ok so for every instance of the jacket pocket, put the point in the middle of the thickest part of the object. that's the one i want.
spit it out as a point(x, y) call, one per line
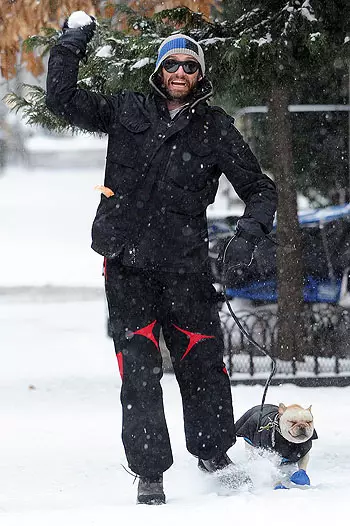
point(203, 166)
point(123, 171)
point(190, 171)
point(200, 146)
point(186, 201)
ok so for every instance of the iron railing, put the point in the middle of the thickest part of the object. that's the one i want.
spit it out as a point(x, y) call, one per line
point(326, 350)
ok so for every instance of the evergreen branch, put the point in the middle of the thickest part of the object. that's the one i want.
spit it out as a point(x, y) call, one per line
point(44, 42)
point(33, 108)
point(15, 102)
point(180, 16)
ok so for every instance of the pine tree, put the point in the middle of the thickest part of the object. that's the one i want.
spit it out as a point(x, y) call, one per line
point(304, 40)
point(272, 47)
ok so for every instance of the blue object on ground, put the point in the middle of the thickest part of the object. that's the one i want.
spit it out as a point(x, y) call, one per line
point(280, 486)
point(300, 477)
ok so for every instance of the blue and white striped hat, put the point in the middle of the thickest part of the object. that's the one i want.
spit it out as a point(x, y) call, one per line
point(180, 44)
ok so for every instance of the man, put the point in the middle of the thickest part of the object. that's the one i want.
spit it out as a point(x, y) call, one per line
point(166, 152)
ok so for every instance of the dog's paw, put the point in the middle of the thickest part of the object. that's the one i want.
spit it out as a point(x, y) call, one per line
point(300, 477)
point(280, 486)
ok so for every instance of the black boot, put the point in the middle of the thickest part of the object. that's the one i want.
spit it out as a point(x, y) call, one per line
point(228, 474)
point(150, 490)
point(215, 464)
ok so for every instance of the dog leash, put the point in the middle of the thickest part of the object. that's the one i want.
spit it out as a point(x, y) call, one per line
point(260, 348)
point(249, 338)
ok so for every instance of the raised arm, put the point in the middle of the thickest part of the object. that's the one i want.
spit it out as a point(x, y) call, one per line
point(82, 108)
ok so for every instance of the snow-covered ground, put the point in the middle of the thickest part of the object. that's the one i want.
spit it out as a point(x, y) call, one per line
point(45, 222)
point(61, 455)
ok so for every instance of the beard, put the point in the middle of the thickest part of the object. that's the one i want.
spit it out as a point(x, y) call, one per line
point(179, 95)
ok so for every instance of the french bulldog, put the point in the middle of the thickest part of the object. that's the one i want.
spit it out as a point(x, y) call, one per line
point(286, 430)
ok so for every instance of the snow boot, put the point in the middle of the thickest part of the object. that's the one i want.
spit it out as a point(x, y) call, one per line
point(215, 464)
point(227, 473)
point(150, 490)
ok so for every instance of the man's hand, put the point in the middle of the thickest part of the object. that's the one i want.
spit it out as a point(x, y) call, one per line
point(78, 30)
point(236, 254)
point(238, 251)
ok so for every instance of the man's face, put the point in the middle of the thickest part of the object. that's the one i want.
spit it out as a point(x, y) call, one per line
point(179, 85)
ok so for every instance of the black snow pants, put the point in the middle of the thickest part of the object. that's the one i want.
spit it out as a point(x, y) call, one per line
point(141, 302)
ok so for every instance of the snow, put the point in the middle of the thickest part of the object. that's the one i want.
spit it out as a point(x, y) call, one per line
point(61, 454)
point(313, 36)
point(212, 41)
point(306, 11)
point(52, 144)
point(105, 52)
point(142, 62)
point(266, 40)
point(206, 42)
point(79, 19)
point(45, 222)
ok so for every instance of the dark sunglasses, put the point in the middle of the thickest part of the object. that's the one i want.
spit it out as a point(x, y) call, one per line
point(189, 66)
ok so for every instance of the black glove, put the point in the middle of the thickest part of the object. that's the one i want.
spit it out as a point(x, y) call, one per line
point(236, 254)
point(77, 38)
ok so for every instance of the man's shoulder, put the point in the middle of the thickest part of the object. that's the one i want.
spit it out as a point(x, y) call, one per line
point(219, 112)
point(220, 116)
point(130, 101)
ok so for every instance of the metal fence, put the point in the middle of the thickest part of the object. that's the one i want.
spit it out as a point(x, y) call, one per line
point(326, 352)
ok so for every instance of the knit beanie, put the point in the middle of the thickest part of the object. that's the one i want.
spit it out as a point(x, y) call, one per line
point(180, 44)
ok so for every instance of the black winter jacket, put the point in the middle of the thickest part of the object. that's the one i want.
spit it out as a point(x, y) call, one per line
point(247, 427)
point(164, 173)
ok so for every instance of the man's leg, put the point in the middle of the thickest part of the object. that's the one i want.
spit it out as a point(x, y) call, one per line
point(132, 296)
point(192, 332)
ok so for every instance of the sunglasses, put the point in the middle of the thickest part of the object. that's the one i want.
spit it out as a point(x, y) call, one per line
point(189, 66)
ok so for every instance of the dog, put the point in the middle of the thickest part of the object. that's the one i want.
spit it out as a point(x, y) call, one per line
point(285, 430)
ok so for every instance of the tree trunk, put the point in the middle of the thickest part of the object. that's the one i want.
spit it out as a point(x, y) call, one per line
point(289, 252)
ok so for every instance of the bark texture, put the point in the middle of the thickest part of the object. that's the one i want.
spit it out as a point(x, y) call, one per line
point(289, 251)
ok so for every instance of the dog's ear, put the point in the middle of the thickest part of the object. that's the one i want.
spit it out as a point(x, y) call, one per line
point(281, 409)
point(309, 408)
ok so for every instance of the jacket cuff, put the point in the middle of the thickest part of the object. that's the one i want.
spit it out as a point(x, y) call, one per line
point(250, 230)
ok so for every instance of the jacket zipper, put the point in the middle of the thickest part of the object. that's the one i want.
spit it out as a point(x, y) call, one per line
point(164, 172)
point(170, 124)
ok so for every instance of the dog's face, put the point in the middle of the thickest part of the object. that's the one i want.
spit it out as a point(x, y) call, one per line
point(296, 423)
